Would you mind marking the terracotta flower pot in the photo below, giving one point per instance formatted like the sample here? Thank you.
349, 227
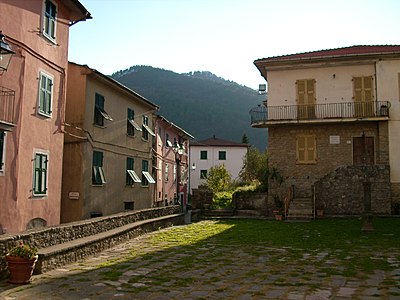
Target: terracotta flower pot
20, 268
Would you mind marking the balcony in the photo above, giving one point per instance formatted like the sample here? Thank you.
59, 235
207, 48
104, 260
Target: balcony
7, 101
262, 116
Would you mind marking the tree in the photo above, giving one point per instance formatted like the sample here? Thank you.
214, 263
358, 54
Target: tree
218, 178
255, 167
245, 139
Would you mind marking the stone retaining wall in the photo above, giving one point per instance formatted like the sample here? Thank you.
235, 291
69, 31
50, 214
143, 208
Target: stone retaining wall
341, 192
250, 201
49, 236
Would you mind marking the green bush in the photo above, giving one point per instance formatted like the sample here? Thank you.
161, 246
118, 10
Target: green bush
222, 200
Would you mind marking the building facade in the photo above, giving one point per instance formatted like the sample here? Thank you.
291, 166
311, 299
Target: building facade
107, 165
32, 107
332, 119
212, 152
171, 163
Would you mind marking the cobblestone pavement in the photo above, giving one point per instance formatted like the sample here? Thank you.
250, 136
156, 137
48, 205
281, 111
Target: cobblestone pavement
142, 269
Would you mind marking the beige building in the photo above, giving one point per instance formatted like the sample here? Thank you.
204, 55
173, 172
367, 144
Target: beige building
32, 109
333, 122
107, 165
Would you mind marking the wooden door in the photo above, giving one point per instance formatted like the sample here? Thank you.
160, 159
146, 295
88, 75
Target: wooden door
363, 151
363, 96
305, 99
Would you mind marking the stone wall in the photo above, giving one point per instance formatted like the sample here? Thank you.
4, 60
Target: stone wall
46, 237
396, 198
202, 198
342, 193
334, 149
250, 201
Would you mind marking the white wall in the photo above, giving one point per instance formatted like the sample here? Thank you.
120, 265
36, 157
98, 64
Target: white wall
233, 162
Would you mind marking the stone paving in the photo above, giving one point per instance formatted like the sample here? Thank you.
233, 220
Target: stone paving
142, 269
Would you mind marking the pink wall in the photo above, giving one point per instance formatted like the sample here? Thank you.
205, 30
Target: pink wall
21, 21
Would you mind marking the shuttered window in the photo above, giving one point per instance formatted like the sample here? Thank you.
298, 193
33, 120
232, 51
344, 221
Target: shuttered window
2, 139
306, 149
363, 88
305, 93
45, 94
40, 174
98, 177
49, 20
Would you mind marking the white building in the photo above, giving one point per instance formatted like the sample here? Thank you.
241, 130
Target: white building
213, 152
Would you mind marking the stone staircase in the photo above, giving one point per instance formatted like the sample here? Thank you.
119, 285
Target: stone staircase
300, 209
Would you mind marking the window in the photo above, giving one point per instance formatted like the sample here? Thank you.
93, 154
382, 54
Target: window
174, 173
131, 176
2, 146
49, 20
167, 141
131, 124
363, 96
146, 129
40, 174
306, 149
305, 93
222, 155
203, 174
203, 154
99, 113
129, 205
166, 172
146, 177
45, 94
98, 177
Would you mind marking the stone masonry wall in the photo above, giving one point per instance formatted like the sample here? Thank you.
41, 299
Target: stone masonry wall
42, 238
250, 201
330, 156
342, 192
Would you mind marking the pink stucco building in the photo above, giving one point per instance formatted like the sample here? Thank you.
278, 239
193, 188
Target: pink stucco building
32, 105
171, 163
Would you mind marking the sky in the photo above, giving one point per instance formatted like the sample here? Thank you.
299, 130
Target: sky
224, 36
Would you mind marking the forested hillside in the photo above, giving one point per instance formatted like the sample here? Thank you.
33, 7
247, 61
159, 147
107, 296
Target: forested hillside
199, 102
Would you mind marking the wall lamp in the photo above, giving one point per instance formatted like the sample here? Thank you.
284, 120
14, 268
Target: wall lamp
5, 53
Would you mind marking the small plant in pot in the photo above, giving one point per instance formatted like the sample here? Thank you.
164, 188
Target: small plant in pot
21, 262
278, 212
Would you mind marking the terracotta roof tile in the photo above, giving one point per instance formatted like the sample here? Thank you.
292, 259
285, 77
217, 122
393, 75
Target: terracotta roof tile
337, 52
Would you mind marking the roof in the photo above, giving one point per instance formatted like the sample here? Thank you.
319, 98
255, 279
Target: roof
360, 52
115, 83
214, 141
184, 133
79, 12
337, 52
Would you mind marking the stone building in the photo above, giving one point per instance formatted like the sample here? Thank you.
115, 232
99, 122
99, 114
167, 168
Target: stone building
108, 159
32, 109
332, 119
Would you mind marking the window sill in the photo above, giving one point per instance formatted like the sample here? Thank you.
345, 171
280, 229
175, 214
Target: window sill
99, 126
131, 136
43, 114
49, 38
97, 185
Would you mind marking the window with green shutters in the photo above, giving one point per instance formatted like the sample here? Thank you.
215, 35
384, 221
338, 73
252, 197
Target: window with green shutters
146, 177
203, 155
222, 155
49, 20
98, 177
99, 113
131, 176
2, 139
40, 174
45, 94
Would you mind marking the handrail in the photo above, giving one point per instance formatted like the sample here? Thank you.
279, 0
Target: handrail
342, 110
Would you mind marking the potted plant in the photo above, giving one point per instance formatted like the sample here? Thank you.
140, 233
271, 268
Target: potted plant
278, 212
21, 261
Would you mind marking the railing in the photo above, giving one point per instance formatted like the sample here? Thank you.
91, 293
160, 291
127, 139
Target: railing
343, 110
7, 101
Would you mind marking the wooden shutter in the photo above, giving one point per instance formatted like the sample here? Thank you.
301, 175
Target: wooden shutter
306, 149
363, 88
368, 88
301, 92
310, 88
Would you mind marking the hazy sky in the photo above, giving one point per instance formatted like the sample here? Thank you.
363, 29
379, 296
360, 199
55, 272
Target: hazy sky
224, 36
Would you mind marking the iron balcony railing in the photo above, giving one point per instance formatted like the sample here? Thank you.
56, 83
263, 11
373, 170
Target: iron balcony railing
7, 101
345, 110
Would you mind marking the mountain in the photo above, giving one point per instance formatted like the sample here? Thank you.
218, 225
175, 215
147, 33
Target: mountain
201, 103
